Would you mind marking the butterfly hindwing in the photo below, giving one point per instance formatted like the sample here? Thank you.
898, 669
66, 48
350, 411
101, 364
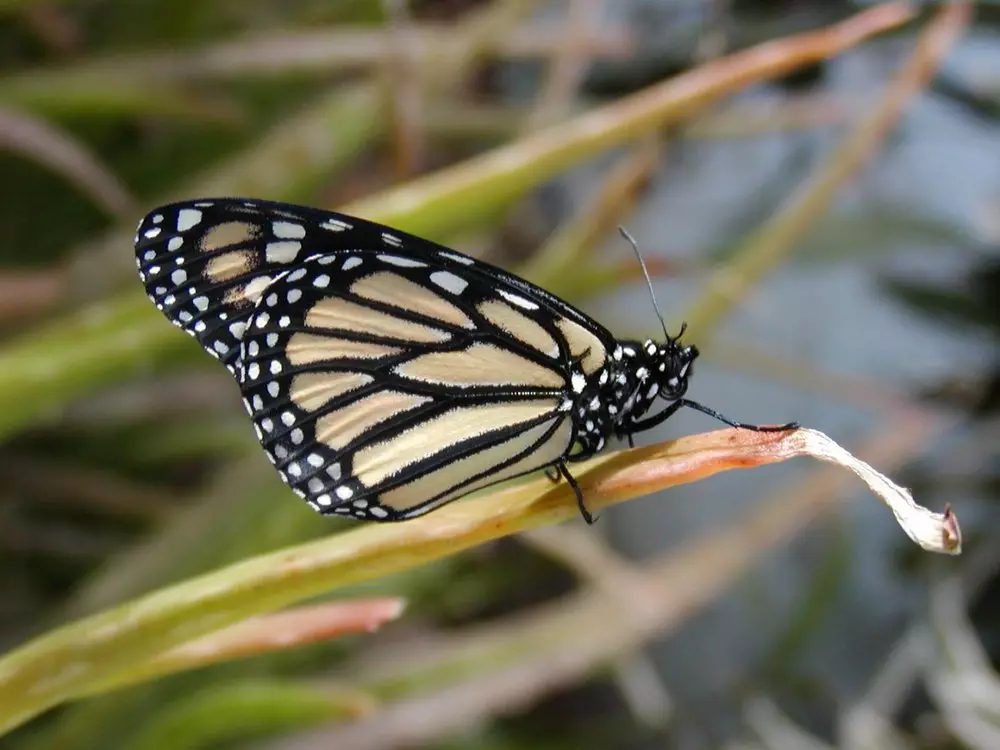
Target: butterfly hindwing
382, 388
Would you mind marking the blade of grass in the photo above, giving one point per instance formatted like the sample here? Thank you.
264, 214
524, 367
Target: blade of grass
107, 647
457, 197
769, 245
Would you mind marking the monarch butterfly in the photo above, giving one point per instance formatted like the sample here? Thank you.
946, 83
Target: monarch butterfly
387, 375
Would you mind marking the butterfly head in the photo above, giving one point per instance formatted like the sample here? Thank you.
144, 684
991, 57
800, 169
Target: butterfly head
670, 368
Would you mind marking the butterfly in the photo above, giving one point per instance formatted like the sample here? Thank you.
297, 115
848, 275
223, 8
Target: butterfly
387, 375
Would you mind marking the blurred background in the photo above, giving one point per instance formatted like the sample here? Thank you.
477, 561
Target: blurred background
829, 228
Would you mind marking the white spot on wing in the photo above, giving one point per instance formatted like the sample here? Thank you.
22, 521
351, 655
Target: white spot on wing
449, 281
515, 299
282, 252
287, 230
397, 260
187, 218
457, 258
351, 262
335, 225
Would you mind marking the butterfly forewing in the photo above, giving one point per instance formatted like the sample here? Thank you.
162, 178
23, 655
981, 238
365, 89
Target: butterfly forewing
206, 263
385, 375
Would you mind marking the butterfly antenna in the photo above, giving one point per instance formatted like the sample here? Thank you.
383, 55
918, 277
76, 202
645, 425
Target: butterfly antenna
645, 273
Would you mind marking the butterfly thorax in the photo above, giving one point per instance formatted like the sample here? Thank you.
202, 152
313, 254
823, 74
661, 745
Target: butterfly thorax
616, 398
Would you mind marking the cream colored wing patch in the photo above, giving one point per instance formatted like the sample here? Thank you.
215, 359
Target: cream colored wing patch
527, 450
479, 365
376, 463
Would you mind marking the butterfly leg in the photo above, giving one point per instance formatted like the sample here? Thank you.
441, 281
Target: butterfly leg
564, 471
553, 473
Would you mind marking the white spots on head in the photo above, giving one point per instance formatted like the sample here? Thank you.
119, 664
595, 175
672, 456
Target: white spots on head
294, 295
398, 260
673, 382
579, 382
391, 239
465, 261
351, 262
282, 252
179, 276
322, 281
255, 288
344, 492
201, 303
151, 233
335, 225
515, 299
287, 230
650, 348
187, 218
449, 281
